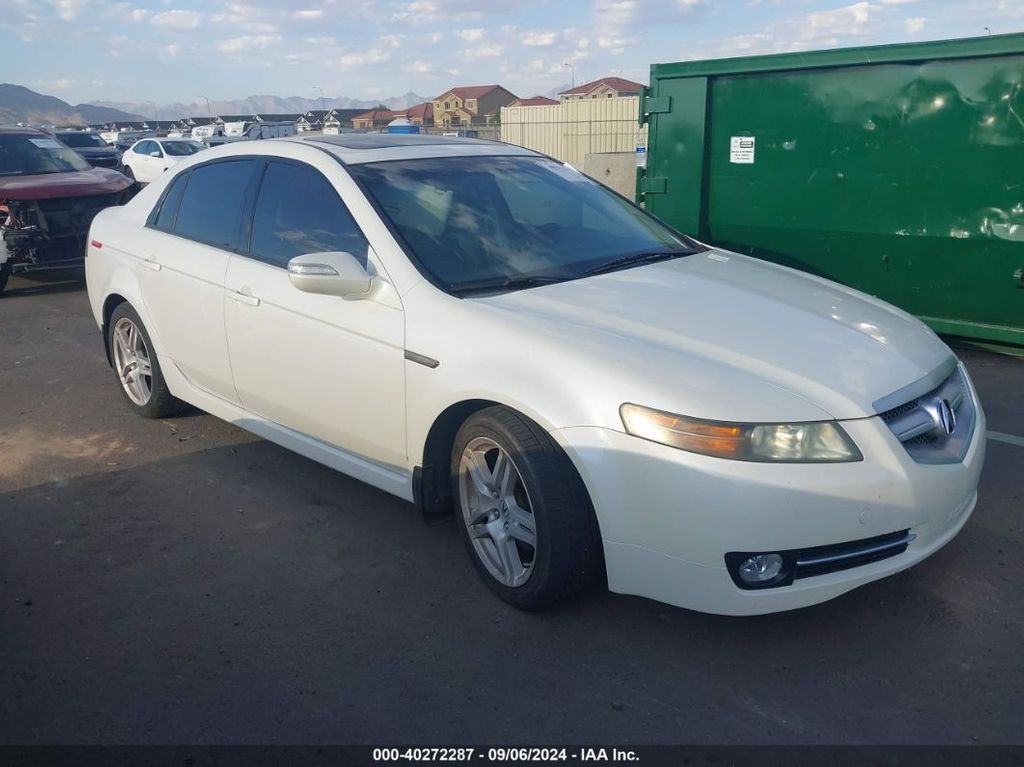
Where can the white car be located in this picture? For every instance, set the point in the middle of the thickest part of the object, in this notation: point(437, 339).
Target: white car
point(147, 159)
point(477, 328)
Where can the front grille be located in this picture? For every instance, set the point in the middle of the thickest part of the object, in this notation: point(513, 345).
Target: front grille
point(918, 424)
point(103, 162)
point(73, 215)
point(842, 556)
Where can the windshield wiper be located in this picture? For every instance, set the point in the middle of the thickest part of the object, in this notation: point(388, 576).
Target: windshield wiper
point(499, 284)
point(636, 259)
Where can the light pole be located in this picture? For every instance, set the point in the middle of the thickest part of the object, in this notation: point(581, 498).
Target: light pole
point(208, 113)
point(322, 107)
point(572, 73)
point(156, 111)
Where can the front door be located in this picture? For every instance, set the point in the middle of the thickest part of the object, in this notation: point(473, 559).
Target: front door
point(325, 366)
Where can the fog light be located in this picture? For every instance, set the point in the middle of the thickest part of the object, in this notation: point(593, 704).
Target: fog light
point(761, 568)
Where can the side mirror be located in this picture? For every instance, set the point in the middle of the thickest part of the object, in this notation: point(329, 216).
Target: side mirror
point(330, 274)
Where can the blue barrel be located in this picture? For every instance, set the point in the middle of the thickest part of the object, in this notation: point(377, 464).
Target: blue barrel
point(403, 128)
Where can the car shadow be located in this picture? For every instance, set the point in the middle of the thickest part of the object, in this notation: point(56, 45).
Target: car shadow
point(36, 283)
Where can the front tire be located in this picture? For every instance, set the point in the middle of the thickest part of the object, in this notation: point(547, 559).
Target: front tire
point(130, 173)
point(137, 367)
point(524, 513)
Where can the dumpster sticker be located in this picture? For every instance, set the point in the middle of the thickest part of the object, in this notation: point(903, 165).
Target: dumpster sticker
point(741, 150)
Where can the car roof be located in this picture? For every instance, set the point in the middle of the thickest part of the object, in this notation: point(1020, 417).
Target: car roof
point(358, 148)
point(20, 130)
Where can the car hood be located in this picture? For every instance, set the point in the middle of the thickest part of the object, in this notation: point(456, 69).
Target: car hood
point(47, 186)
point(753, 326)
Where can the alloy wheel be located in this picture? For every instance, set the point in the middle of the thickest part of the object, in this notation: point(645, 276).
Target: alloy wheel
point(132, 362)
point(497, 512)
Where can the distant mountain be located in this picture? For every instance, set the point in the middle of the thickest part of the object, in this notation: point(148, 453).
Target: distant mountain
point(19, 104)
point(259, 105)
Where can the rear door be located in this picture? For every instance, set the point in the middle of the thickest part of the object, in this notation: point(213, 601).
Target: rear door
point(328, 367)
point(195, 229)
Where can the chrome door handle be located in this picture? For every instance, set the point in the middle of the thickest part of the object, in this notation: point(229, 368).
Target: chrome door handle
point(242, 298)
point(149, 264)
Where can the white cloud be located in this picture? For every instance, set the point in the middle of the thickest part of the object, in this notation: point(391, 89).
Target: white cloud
point(172, 49)
point(247, 43)
point(914, 25)
point(309, 14)
point(474, 35)
point(484, 52)
point(139, 14)
point(69, 10)
point(419, 67)
point(391, 41)
point(177, 19)
point(361, 58)
point(540, 39)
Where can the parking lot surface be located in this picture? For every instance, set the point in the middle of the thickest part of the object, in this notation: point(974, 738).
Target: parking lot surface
point(181, 581)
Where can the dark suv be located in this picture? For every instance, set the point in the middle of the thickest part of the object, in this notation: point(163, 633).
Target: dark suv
point(97, 152)
point(48, 197)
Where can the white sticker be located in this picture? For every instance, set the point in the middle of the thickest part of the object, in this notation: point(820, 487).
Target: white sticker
point(741, 150)
point(46, 143)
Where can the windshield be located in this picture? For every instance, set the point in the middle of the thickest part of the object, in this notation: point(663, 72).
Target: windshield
point(82, 140)
point(503, 223)
point(180, 148)
point(30, 154)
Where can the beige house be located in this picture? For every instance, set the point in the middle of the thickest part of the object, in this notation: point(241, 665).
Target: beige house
point(605, 88)
point(471, 105)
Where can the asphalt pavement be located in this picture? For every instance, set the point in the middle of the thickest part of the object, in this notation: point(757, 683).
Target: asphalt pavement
point(181, 581)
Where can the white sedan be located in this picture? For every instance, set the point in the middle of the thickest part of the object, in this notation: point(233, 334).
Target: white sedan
point(147, 159)
point(483, 331)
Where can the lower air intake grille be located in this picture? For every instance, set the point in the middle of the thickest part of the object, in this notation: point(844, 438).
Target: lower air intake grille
point(842, 556)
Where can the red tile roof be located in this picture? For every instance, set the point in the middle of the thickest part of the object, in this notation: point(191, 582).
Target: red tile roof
point(424, 111)
point(534, 101)
point(615, 83)
point(470, 91)
point(379, 114)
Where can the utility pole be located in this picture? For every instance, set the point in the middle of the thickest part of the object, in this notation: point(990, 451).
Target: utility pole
point(572, 74)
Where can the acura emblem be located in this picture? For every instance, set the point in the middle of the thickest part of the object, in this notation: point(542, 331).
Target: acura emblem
point(944, 416)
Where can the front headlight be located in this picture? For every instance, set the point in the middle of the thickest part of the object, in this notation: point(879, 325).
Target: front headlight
point(813, 442)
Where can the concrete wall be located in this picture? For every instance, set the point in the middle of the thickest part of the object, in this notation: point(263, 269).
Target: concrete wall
point(616, 170)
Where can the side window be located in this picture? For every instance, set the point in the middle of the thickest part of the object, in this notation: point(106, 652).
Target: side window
point(144, 148)
point(298, 212)
point(169, 207)
point(211, 206)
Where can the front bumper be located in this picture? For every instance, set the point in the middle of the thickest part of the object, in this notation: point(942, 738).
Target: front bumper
point(668, 517)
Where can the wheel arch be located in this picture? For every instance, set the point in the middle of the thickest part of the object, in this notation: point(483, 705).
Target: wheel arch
point(431, 477)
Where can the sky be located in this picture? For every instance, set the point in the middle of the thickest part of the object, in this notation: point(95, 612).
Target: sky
point(167, 51)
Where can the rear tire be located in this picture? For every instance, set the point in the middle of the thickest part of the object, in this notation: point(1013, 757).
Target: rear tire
point(524, 513)
point(5, 274)
point(136, 366)
point(130, 173)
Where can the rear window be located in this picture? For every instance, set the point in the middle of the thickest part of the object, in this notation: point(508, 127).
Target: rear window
point(212, 202)
point(23, 154)
point(82, 140)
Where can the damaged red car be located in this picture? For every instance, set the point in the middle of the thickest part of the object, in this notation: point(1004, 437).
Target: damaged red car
point(48, 197)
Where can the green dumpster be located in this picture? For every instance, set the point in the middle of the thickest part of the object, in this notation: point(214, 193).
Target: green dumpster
point(898, 170)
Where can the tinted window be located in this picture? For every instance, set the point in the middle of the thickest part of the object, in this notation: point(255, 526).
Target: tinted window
point(29, 154)
point(298, 212)
point(211, 207)
point(143, 147)
point(474, 222)
point(172, 199)
point(181, 148)
point(82, 140)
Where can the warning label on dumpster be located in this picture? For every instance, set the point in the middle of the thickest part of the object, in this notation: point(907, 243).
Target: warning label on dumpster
point(741, 150)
